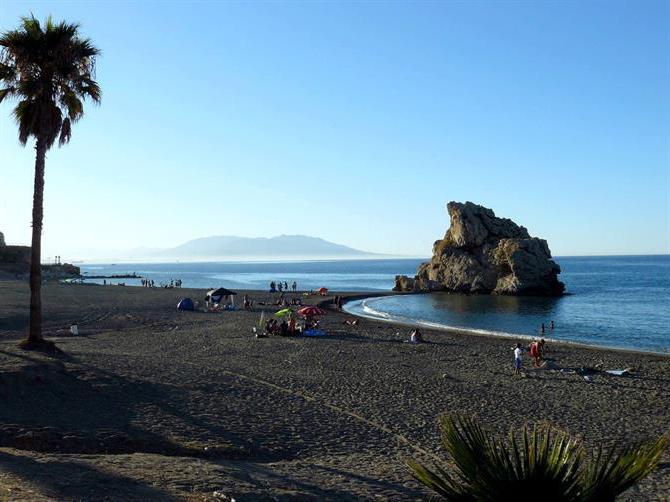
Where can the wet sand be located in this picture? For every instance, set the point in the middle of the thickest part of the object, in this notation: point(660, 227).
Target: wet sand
point(151, 403)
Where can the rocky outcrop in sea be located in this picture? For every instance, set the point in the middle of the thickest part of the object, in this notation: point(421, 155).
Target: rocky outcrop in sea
point(484, 254)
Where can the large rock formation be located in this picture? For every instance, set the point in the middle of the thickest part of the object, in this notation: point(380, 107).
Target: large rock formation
point(482, 253)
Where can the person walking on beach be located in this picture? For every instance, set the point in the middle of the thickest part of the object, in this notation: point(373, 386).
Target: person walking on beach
point(517, 359)
point(551, 326)
point(294, 286)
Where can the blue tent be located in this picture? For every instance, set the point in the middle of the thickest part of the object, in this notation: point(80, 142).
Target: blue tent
point(185, 304)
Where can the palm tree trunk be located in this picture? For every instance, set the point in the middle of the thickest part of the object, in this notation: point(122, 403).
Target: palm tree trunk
point(35, 333)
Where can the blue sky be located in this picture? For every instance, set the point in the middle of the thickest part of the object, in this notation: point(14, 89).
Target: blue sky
point(357, 122)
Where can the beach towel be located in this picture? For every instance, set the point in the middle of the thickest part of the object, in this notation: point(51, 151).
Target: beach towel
point(314, 332)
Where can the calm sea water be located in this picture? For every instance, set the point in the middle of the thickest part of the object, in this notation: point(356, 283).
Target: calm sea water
point(614, 301)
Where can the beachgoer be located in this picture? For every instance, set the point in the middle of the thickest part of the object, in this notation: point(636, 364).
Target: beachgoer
point(416, 336)
point(339, 302)
point(517, 359)
point(291, 325)
point(272, 287)
point(551, 325)
point(280, 287)
point(285, 286)
point(542, 329)
point(335, 300)
point(535, 353)
point(294, 286)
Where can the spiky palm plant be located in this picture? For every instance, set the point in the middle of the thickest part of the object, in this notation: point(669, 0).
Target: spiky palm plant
point(49, 69)
point(542, 463)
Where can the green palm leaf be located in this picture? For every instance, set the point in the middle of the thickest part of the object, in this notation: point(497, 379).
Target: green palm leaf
point(541, 461)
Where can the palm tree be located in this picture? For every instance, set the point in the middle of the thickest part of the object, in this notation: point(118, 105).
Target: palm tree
point(49, 70)
point(542, 463)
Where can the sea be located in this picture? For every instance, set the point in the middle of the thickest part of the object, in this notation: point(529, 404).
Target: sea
point(613, 301)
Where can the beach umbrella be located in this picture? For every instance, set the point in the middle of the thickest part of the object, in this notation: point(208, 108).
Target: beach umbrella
point(311, 311)
point(283, 312)
point(323, 291)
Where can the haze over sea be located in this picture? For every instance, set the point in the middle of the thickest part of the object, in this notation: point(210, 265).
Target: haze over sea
point(614, 301)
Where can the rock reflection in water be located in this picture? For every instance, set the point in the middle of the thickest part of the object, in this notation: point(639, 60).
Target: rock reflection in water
point(494, 304)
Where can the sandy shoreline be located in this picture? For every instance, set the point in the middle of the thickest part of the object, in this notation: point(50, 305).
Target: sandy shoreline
point(485, 333)
point(155, 404)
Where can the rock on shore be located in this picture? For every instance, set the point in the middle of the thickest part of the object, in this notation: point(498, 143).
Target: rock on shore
point(482, 253)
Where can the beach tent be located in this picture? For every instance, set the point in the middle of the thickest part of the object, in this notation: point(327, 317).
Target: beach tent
point(220, 295)
point(185, 304)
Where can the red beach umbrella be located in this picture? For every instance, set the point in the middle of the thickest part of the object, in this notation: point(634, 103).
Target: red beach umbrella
point(311, 311)
point(323, 291)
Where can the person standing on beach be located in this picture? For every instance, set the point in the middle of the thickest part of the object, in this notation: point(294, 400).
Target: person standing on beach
point(542, 329)
point(535, 353)
point(294, 286)
point(551, 325)
point(517, 359)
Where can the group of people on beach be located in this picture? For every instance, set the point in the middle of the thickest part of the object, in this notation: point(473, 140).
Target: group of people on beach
point(537, 349)
point(284, 301)
point(150, 283)
point(288, 327)
point(282, 286)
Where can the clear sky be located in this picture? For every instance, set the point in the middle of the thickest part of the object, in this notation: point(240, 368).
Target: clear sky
point(357, 122)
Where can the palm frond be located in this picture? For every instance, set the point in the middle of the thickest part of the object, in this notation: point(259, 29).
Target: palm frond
point(533, 460)
point(615, 472)
point(65, 132)
point(49, 68)
point(7, 91)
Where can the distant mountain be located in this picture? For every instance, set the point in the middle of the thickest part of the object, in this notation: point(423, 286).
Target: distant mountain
point(283, 246)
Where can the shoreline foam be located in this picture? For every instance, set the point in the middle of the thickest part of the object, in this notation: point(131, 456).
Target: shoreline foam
point(378, 315)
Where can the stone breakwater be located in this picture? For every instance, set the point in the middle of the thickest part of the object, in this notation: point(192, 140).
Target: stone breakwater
point(482, 253)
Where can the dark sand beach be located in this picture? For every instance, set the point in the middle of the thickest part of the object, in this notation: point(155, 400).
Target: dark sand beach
point(150, 403)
